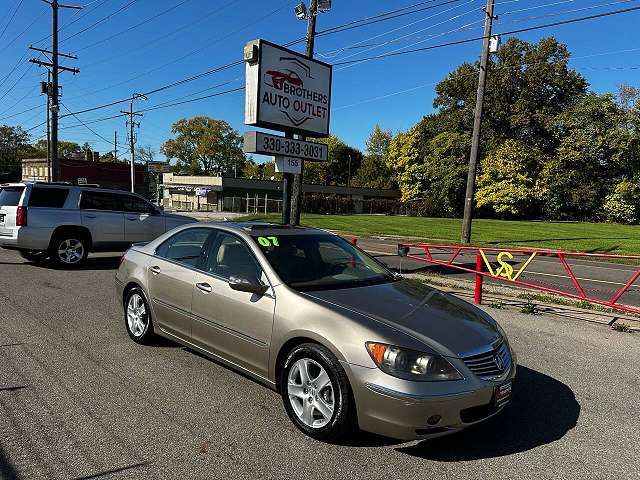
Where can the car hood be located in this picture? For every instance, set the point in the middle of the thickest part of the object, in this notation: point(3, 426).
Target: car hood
point(448, 325)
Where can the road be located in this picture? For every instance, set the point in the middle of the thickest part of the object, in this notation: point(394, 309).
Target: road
point(79, 399)
point(599, 280)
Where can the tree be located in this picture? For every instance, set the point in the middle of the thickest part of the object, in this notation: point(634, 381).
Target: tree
point(528, 85)
point(596, 149)
point(203, 145)
point(262, 171)
point(341, 159)
point(623, 204)
point(507, 184)
point(145, 154)
point(374, 172)
point(66, 149)
point(13, 146)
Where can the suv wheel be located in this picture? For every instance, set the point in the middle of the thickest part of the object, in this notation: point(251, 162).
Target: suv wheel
point(69, 250)
point(137, 316)
point(316, 393)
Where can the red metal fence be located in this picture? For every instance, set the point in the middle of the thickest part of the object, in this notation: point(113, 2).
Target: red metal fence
point(510, 264)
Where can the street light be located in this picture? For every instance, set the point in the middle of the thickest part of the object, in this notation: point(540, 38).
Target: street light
point(301, 11)
point(324, 5)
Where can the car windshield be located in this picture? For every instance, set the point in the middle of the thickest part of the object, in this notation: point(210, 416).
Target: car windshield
point(320, 262)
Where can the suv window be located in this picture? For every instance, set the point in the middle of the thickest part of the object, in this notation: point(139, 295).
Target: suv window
point(230, 257)
point(48, 197)
point(137, 205)
point(185, 246)
point(101, 201)
point(10, 196)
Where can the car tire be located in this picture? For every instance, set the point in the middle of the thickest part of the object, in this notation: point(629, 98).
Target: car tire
point(137, 316)
point(69, 250)
point(321, 410)
point(34, 256)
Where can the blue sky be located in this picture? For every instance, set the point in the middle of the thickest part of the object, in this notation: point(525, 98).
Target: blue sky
point(198, 35)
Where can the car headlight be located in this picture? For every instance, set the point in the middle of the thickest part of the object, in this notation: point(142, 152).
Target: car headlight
point(410, 364)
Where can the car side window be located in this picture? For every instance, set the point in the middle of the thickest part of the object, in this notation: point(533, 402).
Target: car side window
point(101, 201)
point(48, 197)
point(230, 257)
point(137, 205)
point(186, 246)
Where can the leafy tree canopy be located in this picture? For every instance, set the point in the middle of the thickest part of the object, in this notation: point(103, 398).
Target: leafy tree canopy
point(205, 146)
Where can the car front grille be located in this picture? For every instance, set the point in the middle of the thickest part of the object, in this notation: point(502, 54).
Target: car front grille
point(491, 364)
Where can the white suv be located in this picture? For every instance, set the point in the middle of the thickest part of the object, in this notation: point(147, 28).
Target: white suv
point(65, 222)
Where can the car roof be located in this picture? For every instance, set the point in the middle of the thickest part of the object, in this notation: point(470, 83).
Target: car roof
point(262, 228)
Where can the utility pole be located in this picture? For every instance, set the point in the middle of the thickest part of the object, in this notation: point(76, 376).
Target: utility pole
point(296, 188)
point(115, 145)
point(54, 94)
point(131, 123)
point(477, 122)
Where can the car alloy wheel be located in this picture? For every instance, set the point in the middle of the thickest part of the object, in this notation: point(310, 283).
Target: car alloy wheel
point(316, 393)
point(70, 251)
point(137, 316)
point(310, 393)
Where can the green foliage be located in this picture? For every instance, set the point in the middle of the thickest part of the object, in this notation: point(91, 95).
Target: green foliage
point(528, 85)
point(374, 172)
point(336, 170)
point(13, 147)
point(262, 171)
point(431, 167)
point(205, 146)
point(596, 148)
point(623, 205)
point(507, 183)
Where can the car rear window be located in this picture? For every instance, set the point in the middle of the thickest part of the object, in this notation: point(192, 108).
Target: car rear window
point(10, 196)
point(48, 197)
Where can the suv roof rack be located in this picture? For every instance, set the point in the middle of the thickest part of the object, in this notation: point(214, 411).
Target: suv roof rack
point(50, 183)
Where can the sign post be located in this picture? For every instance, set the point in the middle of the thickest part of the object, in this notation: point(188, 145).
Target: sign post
point(288, 92)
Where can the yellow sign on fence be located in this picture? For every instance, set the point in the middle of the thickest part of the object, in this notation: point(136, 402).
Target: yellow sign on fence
point(506, 269)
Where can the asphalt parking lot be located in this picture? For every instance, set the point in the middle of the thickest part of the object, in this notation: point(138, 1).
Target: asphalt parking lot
point(79, 399)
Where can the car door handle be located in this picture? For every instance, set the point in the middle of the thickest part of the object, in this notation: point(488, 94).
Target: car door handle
point(204, 287)
point(155, 270)
point(91, 216)
point(132, 219)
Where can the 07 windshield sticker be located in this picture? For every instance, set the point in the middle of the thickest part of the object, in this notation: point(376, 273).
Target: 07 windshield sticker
point(268, 241)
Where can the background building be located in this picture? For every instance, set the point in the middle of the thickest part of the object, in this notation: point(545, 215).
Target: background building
point(248, 195)
point(106, 174)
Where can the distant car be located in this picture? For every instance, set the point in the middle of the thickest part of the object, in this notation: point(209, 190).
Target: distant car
point(344, 340)
point(66, 222)
point(278, 79)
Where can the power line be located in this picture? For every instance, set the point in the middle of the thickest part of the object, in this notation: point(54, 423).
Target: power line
point(103, 19)
point(232, 64)
point(87, 127)
point(475, 39)
point(380, 18)
point(11, 19)
point(143, 22)
point(455, 17)
point(76, 18)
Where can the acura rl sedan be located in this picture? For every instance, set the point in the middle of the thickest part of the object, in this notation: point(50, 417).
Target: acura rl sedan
point(344, 340)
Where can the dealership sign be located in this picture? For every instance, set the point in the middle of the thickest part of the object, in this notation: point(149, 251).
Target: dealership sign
point(286, 91)
point(267, 144)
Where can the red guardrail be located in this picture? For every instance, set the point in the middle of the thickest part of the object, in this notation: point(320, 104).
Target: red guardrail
point(490, 262)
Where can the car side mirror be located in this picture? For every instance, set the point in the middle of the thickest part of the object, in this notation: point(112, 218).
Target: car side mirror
point(244, 285)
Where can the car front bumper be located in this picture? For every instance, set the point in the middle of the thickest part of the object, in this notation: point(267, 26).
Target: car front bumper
point(401, 409)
